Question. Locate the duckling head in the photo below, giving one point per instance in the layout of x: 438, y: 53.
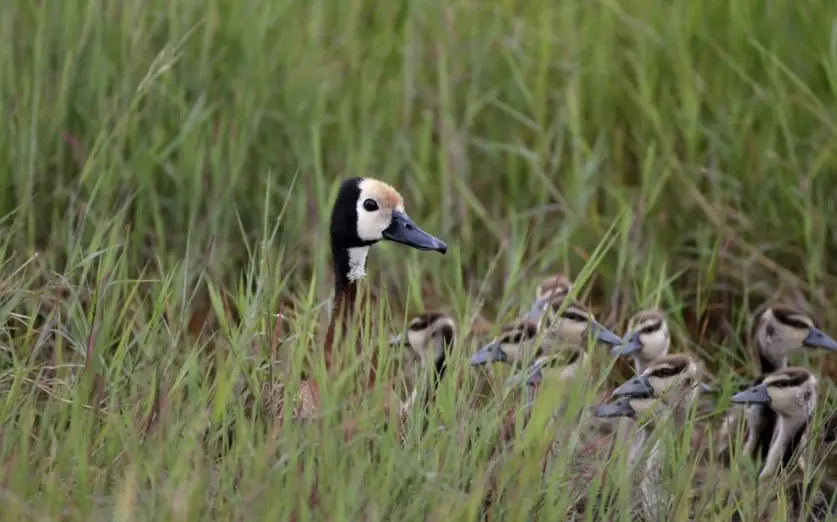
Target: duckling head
x: 556, y: 286
x: 631, y: 407
x: 647, y: 339
x: 367, y: 211
x: 559, y: 366
x: 783, y: 331
x: 514, y: 343
x: 671, y: 377
x: 791, y: 393
x: 427, y: 336
x: 549, y: 294
x: 572, y: 325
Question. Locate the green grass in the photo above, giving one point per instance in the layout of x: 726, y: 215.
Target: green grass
x: 168, y: 168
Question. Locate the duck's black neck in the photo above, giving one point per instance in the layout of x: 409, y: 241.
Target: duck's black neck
x: 349, y: 267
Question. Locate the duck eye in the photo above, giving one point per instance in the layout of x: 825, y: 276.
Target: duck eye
x: 663, y: 373
x: 418, y: 325
x: 572, y: 316
x: 370, y: 205
x: 648, y: 329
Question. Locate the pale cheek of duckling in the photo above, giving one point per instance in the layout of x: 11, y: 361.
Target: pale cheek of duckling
x: 371, y: 225
x: 642, y: 406
x: 570, y: 331
x: 778, y: 340
x: 569, y: 372
x: 659, y: 386
x: 654, y: 344
x: 418, y: 342
x: 783, y: 403
x: 514, y: 352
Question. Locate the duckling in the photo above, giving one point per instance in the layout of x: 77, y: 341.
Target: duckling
x: 674, y: 381
x: 553, y: 288
x: 516, y: 341
x: 647, y: 338
x: 365, y: 212
x: 781, y: 333
x: 555, y: 368
x: 427, y: 339
x: 673, y: 378
x: 639, y: 404
x: 791, y: 394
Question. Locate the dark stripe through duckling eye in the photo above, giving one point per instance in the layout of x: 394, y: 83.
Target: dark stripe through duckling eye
x: 419, y: 324
x: 574, y: 316
x: 513, y: 338
x: 518, y: 332
x: 567, y: 359
x: 790, y: 318
x: 422, y: 322
x: 651, y: 328
x: 668, y: 371
x: 789, y: 381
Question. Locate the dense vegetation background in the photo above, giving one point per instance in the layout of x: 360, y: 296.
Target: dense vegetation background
x: 168, y: 168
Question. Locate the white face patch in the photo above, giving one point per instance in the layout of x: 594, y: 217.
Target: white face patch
x: 357, y: 263
x: 777, y: 341
x: 569, y: 331
x: 654, y: 345
x: 374, y: 209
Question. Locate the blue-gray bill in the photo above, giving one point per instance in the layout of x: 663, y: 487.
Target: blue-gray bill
x: 604, y: 335
x: 403, y: 230
x: 636, y: 387
x: 619, y: 408
x: 488, y: 354
x: 538, y: 310
x: 816, y: 338
x: 755, y: 395
x: 532, y: 376
x: 629, y: 345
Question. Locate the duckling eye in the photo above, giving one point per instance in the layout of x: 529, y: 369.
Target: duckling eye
x: 418, y: 325
x: 648, y: 329
x: 370, y: 205
x: 781, y: 384
x: 572, y: 316
x: 663, y: 373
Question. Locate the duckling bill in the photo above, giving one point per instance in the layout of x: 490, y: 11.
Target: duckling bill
x: 640, y: 386
x: 570, y: 327
x: 754, y: 395
x: 506, y: 347
x: 620, y: 407
x: 567, y: 362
